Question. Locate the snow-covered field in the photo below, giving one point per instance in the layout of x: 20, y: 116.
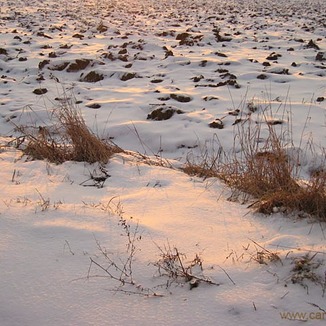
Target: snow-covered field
x: 222, y: 61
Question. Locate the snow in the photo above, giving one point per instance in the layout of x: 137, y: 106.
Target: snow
x: 53, y: 218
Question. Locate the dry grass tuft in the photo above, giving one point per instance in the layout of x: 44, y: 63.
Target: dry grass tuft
x: 71, y: 140
x: 40, y: 148
x: 310, y: 199
x: 260, y: 169
x: 266, y: 172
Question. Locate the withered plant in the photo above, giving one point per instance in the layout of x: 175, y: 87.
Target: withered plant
x: 259, y: 169
x: 69, y: 139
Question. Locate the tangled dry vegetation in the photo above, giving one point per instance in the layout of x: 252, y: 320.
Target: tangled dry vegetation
x: 71, y: 139
x: 260, y: 170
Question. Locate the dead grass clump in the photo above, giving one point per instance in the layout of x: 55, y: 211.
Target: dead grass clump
x: 39, y: 147
x: 264, y: 171
x: 310, y: 199
x: 85, y: 145
x: 260, y: 169
x: 261, y: 166
x: 72, y: 140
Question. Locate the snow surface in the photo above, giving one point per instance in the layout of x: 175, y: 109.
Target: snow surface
x: 52, y: 218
